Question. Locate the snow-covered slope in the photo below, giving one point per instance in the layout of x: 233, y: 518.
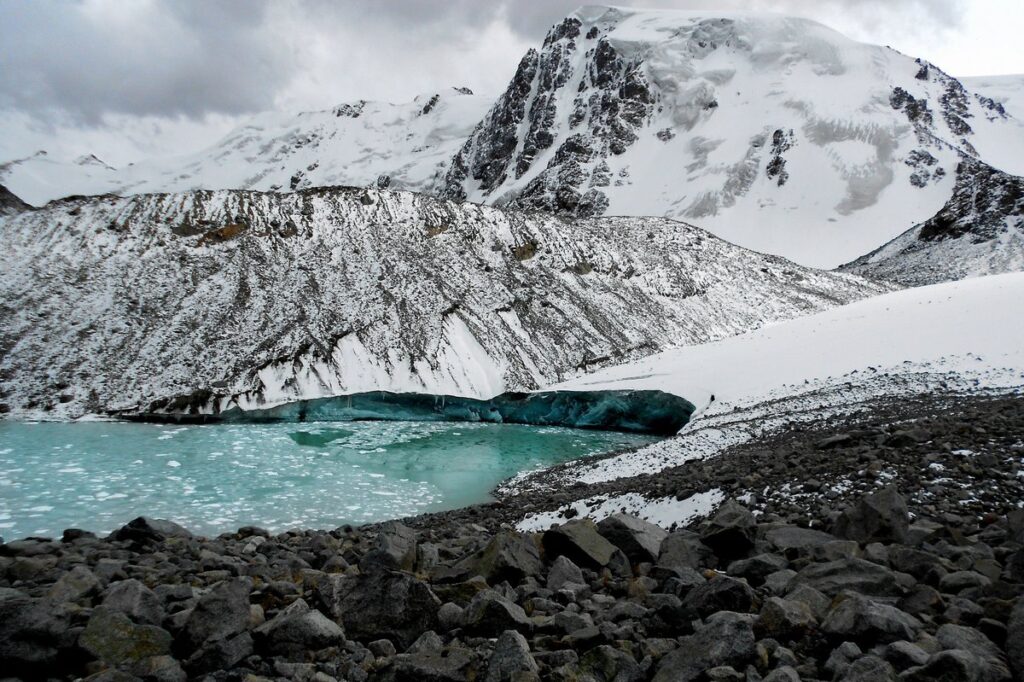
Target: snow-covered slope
x: 116, y: 302
x: 1006, y: 90
x: 404, y: 146
x: 980, y: 231
x: 956, y: 336
x: 775, y: 133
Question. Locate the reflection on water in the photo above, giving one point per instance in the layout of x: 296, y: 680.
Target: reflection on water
x: 215, y: 478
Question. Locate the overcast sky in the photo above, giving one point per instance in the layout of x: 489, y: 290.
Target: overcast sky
x: 126, y: 79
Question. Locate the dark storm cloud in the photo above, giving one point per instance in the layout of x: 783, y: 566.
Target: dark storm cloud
x: 164, y: 58
x: 195, y: 57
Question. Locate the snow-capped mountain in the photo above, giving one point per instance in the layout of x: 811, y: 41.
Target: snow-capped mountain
x: 775, y: 133
x: 404, y: 146
x: 980, y: 231
x: 1007, y: 91
x: 214, y: 299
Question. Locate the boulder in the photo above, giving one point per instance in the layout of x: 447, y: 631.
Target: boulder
x: 856, y: 575
x: 757, y: 568
x: 639, y: 540
x: 395, y: 550
x: 144, y: 530
x: 880, y: 517
x: 220, y: 614
x: 1015, y: 638
x: 489, y: 614
x: 953, y: 665
x: 77, y: 584
x: 868, y: 669
x: 453, y: 664
x: 113, y: 638
x: 725, y: 639
x: 990, y: 658
x: 296, y: 630
x: 511, y: 655
x: 865, y: 620
x: 580, y: 542
x: 783, y: 619
x: 33, y: 632
x: 730, y: 532
x: 508, y: 557
x: 604, y: 662
x: 684, y: 549
x: 134, y: 600
x: 387, y: 604
x: 563, y: 571
x: 721, y: 593
x: 796, y: 541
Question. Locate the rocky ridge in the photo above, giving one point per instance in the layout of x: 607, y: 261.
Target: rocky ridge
x: 897, y: 582
x: 980, y: 231
x: 208, y: 300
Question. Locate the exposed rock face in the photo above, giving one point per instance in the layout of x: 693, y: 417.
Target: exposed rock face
x: 980, y: 231
x: 338, y: 291
x: 690, y: 116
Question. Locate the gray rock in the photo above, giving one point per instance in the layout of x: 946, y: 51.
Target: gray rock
x: 511, y: 655
x: 449, y: 616
x: 757, y: 568
x: 730, y: 532
x: 426, y: 643
x: 297, y: 629
x: 639, y: 540
x: 114, y: 639
x: 793, y: 540
x: 783, y: 619
x: 580, y: 542
x: 721, y: 593
x: 855, y: 575
x: 143, y: 530
x: 958, y: 581
x: 489, y: 614
x: 725, y: 639
x: 880, y: 517
x: 382, y: 648
x: 607, y: 663
x: 381, y: 604
x: 221, y: 613
x: 684, y: 549
x: 817, y: 602
x: 456, y: 664
x: 32, y: 634
x: 953, y: 665
x: 857, y: 617
x: 778, y: 583
x: 991, y: 660
x: 1015, y: 638
x: 135, y: 600
x: 159, y: 669
x: 77, y: 584
x: 508, y: 557
x: 868, y: 669
x: 395, y: 550
x: 563, y: 571
x: 783, y: 674
x: 220, y: 654
x: 903, y: 654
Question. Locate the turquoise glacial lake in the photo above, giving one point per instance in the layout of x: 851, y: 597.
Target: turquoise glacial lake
x: 216, y: 478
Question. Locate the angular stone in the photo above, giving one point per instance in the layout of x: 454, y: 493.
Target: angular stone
x: 381, y: 604
x: 220, y: 654
x: 32, y: 634
x: 221, y: 613
x: 297, y: 629
x: 580, y: 541
x: 880, y: 517
x: 114, y: 639
x: 721, y: 593
x: 756, y: 568
x: 143, y: 530
x: 638, y: 539
x: 75, y: 585
x: 684, y: 549
x: 604, y: 662
x: 783, y: 619
x: 159, y: 669
x: 563, y: 571
x: 730, y: 532
x: 508, y: 557
x: 395, y: 550
x: 135, y: 600
x: 511, y: 655
x: 992, y: 661
x: 796, y: 540
x: 953, y: 665
x: 489, y: 614
x: 868, y: 669
x: 455, y: 664
x: 1015, y: 638
x: 855, y: 575
x: 857, y: 617
x: 725, y: 639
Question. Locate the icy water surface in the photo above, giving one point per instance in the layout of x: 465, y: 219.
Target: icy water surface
x: 215, y: 478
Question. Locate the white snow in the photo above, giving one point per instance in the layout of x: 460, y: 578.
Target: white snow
x: 664, y: 512
x: 959, y: 336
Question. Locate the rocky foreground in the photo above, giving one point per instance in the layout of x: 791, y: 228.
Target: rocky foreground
x: 902, y: 578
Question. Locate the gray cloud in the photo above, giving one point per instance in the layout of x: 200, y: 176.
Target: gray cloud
x: 94, y: 63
